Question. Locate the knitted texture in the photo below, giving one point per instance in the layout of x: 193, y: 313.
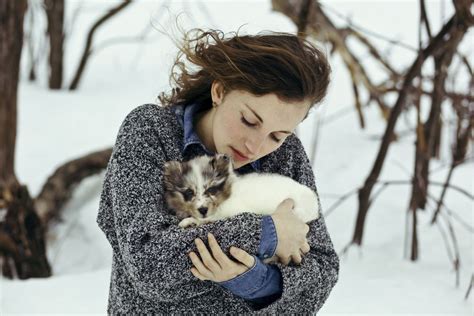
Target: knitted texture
x: 151, y: 268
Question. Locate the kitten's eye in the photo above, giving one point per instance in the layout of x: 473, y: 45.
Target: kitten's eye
x: 212, y: 190
x: 188, y: 194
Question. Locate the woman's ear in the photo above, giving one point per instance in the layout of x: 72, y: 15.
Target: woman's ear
x: 217, y: 91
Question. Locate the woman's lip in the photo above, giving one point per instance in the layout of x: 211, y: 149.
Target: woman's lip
x: 239, y: 155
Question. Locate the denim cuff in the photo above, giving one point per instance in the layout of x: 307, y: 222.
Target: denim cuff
x: 268, y: 240
x: 247, y: 283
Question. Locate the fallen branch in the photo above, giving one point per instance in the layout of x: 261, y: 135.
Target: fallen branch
x: 59, y: 187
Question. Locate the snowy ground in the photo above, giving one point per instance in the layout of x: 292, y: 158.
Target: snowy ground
x: 374, y: 279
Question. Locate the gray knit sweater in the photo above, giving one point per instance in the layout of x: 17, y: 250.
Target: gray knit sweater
x: 151, y: 268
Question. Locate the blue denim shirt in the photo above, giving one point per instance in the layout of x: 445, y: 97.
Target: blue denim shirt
x: 261, y: 283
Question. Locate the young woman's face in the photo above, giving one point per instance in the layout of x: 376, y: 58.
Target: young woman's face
x: 251, y: 125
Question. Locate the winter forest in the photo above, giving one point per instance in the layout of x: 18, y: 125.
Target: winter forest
x: 391, y: 145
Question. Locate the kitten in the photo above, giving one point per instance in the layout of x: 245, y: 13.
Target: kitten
x: 206, y: 189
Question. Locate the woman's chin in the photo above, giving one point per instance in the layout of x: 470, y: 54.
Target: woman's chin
x: 238, y: 164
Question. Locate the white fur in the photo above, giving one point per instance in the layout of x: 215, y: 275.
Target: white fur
x: 261, y: 193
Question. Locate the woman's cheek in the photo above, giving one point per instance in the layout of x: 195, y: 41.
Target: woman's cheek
x: 233, y: 131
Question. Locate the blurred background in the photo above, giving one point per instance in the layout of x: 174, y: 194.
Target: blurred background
x: 391, y: 144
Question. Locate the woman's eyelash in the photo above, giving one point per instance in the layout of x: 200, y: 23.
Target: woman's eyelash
x: 253, y: 125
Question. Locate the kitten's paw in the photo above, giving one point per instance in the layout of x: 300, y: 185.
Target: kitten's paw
x: 189, y: 221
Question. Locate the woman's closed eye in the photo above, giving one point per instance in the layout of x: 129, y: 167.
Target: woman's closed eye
x: 253, y: 125
x: 247, y: 122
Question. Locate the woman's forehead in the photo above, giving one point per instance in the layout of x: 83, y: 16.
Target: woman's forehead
x: 271, y: 108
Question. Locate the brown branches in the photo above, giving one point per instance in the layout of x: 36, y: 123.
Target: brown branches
x: 411, y: 89
x: 456, y: 258
x: 424, y: 18
x: 459, y: 152
x: 88, y: 47
x: 471, y: 285
x: 428, y: 134
x: 321, y: 28
x: 303, y: 18
x: 442, y: 47
x: 437, y: 45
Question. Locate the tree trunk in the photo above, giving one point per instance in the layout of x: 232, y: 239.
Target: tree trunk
x: 55, y: 15
x: 11, y: 30
x: 22, y: 247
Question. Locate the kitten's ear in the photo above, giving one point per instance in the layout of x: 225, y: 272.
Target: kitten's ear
x: 172, y: 171
x: 172, y: 167
x: 230, y: 161
x: 224, y: 158
x: 222, y: 163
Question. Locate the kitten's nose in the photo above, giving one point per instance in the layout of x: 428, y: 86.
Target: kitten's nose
x: 203, y: 211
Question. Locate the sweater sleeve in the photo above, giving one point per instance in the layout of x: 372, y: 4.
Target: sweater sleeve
x: 140, y: 227
x: 310, y: 283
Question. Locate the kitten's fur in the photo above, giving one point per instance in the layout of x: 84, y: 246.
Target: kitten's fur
x: 206, y: 189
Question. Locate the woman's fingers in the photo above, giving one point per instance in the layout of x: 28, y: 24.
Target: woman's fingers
x: 199, y: 267
x: 296, y: 258
x: 217, y: 252
x: 242, y: 256
x: 305, y: 248
x: 198, y: 275
x: 285, y: 261
x: 218, y: 266
x: 207, y: 258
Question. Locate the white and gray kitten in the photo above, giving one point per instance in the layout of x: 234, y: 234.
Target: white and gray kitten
x: 206, y: 189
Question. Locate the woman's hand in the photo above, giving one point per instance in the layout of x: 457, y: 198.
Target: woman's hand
x: 291, y: 234
x: 217, y: 266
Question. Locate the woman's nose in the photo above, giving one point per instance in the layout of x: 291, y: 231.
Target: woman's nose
x: 254, y: 144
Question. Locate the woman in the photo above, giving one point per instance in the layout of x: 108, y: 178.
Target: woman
x: 245, y: 99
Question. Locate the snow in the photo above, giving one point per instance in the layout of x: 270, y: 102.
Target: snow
x: 377, y: 278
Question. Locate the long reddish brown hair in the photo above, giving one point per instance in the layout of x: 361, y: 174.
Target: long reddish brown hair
x: 271, y: 62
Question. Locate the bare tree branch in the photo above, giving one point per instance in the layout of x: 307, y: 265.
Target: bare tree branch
x: 88, y: 47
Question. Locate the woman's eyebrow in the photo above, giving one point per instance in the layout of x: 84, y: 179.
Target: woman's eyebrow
x: 260, y: 119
